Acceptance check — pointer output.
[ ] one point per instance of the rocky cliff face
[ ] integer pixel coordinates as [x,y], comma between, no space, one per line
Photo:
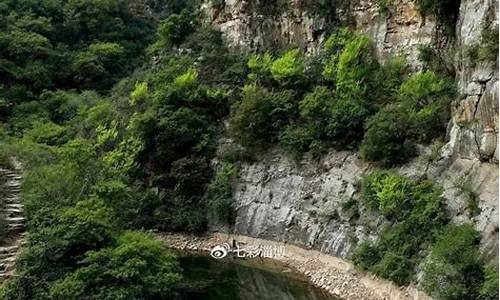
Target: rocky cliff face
[305,24]
[472,149]
[302,204]
[474,129]
[396,30]
[307,203]
[262,24]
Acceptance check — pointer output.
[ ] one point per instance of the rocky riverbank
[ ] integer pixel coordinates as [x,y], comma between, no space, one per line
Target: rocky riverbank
[334,275]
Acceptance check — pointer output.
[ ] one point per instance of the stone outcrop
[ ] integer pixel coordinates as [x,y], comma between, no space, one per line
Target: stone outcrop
[472,148]
[458,174]
[397,30]
[474,127]
[301,203]
[261,25]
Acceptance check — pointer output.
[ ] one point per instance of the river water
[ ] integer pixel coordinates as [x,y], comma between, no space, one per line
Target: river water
[206,278]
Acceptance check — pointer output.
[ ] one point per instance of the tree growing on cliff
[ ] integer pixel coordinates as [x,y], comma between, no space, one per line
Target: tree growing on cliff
[419,115]
[453,270]
[261,114]
[288,68]
[415,210]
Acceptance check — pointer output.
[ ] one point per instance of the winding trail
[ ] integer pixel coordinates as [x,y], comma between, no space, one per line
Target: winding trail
[12,210]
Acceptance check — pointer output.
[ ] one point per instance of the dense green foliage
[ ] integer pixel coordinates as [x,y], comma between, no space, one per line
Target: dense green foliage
[220,194]
[419,115]
[137,267]
[416,212]
[261,115]
[118,118]
[454,269]
[71,213]
[95,165]
[288,68]
[489,288]
[342,99]
[68,43]
[417,222]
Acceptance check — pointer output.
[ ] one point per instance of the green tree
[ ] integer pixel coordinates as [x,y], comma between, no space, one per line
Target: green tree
[62,105]
[139,94]
[355,69]
[219,194]
[333,46]
[57,244]
[393,195]
[47,133]
[94,66]
[288,68]
[175,28]
[387,138]
[316,107]
[427,97]
[27,45]
[419,115]
[260,66]
[345,123]
[260,115]
[137,267]
[296,140]
[489,289]
[453,270]
[416,212]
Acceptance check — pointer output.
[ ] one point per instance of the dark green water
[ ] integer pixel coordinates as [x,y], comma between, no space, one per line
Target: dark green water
[233,279]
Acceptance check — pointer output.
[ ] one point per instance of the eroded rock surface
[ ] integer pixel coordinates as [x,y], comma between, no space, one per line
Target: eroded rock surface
[261,25]
[474,129]
[398,30]
[280,200]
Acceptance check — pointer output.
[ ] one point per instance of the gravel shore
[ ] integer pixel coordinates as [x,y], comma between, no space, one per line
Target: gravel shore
[336,276]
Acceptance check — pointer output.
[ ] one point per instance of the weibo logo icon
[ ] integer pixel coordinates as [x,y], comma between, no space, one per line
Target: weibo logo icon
[220,251]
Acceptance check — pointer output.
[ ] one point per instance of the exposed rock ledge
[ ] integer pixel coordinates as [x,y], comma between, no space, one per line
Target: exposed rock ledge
[334,275]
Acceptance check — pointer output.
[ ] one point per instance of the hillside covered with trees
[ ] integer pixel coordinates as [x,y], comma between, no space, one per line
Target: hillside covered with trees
[117,113]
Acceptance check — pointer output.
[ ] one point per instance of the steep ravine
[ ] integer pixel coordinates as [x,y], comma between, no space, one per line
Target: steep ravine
[302,203]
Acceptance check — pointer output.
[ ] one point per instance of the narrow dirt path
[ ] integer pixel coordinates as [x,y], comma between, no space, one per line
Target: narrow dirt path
[12,210]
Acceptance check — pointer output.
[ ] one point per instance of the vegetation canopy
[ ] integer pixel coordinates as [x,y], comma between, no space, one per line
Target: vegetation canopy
[133,117]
